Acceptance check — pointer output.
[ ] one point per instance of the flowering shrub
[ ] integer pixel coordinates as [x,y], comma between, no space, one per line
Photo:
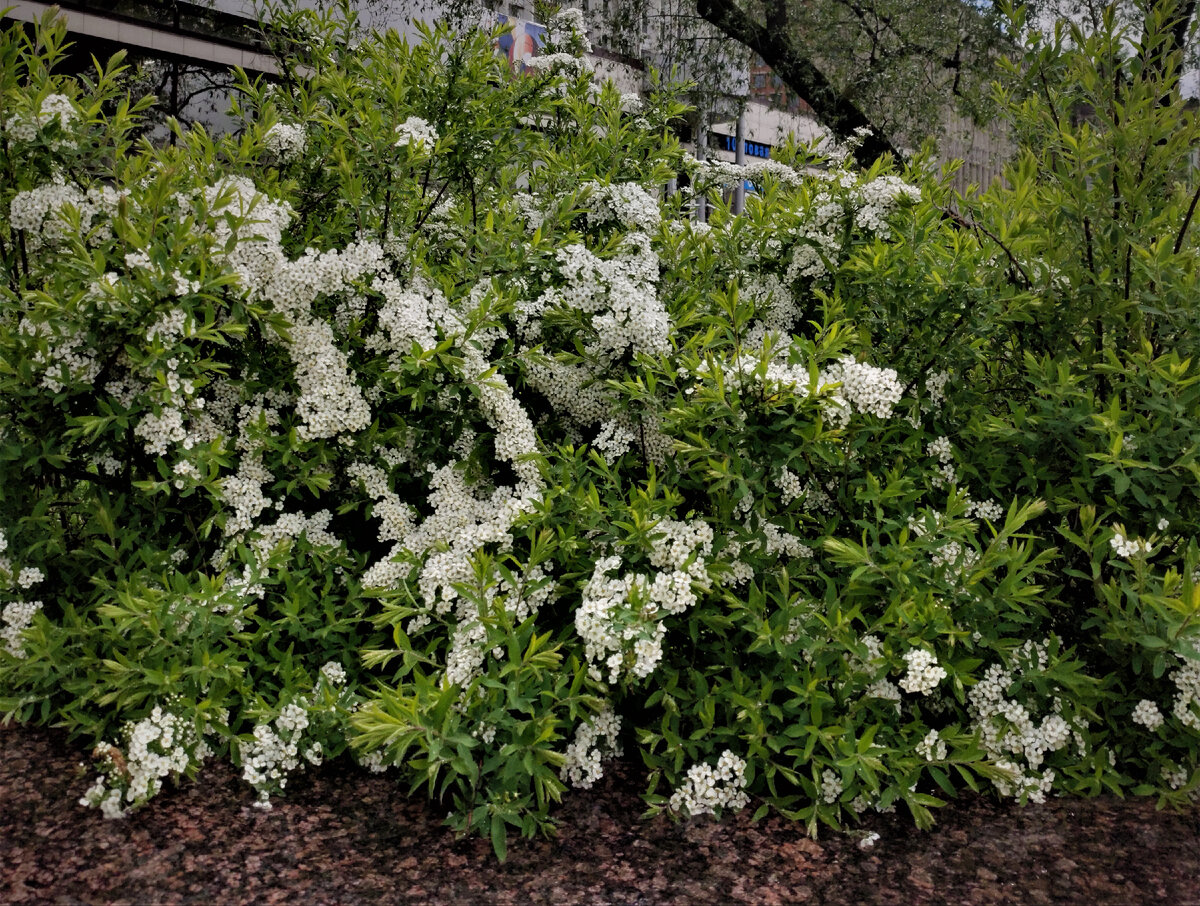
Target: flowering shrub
[413,421]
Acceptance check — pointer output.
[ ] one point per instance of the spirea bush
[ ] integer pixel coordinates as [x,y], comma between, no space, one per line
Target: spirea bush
[413,422]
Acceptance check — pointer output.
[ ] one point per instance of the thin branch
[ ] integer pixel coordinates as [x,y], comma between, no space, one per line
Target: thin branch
[1087,235]
[1187,219]
[977,228]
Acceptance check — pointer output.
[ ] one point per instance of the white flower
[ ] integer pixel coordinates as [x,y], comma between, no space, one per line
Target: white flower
[923,674]
[705,790]
[1147,714]
[30,576]
[417,134]
[932,747]
[831,786]
[333,673]
[286,140]
[17,617]
[1127,548]
[940,447]
[161,745]
[582,767]
[627,203]
[990,510]
[57,106]
[935,384]
[864,388]
[292,719]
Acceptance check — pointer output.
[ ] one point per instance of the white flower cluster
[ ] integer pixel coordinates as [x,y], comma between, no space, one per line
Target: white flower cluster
[286,141]
[567,27]
[417,134]
[243,228]
[243,494]
[515,437]
[1175,776]
[627,203]
[68,356]
[990,510]
[372,761]
[875,200]
[464,659]
[333,673]
[17,617]
[885,689]
[614,440]
[956,555]
[41,211]
[789,486]
[831,786]
[682,547]
[1009,731]
[330,401]
[171,325]
[768,367]
[53,107]
[620,618]
[413,314]
[723,173]
[292,525]
[574,391]
[935,386]
[611,628]
[845,201]
[923,674]
[778,543]
[707,789]
[57,106]
[459,526]
[1128,548]
[864,388]
[395,516]
[161,745]
[274,752]
[1187,684]
[585,754]
[620,294]
[775,306]
[531,210]
[561,63]
[1147,714]
[932,747]
[940,447]
[29,576]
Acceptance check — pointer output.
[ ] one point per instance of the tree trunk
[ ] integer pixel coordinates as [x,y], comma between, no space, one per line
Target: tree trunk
[833,110]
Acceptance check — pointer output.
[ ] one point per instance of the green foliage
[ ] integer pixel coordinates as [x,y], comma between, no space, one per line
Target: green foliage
[409,421]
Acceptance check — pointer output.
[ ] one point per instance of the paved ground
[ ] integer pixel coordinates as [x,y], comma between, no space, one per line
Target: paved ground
[343,836]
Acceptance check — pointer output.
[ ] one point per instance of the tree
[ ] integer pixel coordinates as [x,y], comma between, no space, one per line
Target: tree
[879,71]
[890,70]
[1136,17]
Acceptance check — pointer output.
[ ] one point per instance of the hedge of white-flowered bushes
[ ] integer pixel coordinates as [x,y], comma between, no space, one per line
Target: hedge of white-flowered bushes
[413,419]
